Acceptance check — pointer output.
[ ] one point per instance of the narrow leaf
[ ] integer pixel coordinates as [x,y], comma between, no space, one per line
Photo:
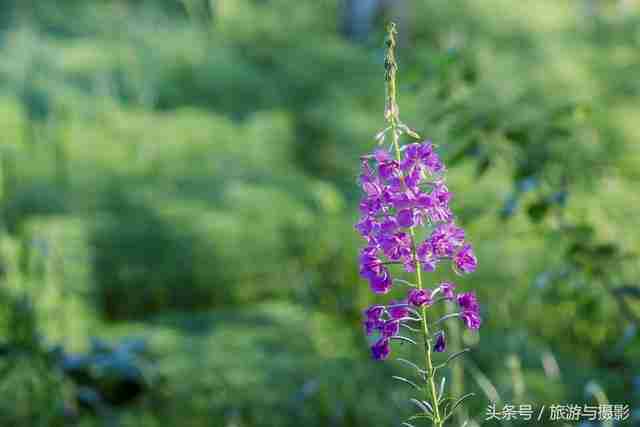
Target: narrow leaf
[380,135]
[422,406]
[416,312]
[412,133]
[459,401]
[420,417]
[404,380]
[448,316]
[441,391]
[404,282]
[402,338]
[409,327]
[428,405]
[413,319]
[456,354]
[411,364]
[439,299]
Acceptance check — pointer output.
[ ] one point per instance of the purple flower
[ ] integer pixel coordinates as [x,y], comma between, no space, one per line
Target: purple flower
[365,226]
[447,289]
[381,349]
[371,268]
[440,211]
[402,200]
[441,343]
[404,190]
[420,297]
[372,189]
[373,319]
[399,195]
[406,218]
[433,163]
[470,310]
[468,301]
[413,178]
[371,326]
[389,225]
[409,265]
[382,155]
[425,201]
[391,328]
[426,256]
[411,157]
[465,261]
[396,246]
[374,312]
[372,205]
[380,283]
[446,238]
[471,319]
[398,309]
[388,169]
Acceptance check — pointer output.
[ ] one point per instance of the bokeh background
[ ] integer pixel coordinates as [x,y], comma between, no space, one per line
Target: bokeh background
[178,192]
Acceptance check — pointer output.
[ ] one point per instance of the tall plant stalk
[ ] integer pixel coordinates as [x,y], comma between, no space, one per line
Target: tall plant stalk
[404,191]
[392,113]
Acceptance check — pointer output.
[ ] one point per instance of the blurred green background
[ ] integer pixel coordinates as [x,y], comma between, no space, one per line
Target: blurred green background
[178,192]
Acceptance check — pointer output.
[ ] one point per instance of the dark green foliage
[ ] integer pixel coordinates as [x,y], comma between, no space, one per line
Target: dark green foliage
[32,200]
[33,390]
[136,254]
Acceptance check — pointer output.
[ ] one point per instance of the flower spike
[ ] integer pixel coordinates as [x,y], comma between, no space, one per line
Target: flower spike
[405,191]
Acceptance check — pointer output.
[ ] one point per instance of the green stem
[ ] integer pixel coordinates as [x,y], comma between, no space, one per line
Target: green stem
[392,116]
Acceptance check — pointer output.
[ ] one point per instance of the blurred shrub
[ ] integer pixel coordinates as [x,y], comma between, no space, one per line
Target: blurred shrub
[284,379]
[153,253]
[33,390]
[58,274]
[142,262]
[32,200]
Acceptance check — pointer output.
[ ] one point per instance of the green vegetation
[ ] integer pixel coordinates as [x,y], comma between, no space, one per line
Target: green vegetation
[184,172]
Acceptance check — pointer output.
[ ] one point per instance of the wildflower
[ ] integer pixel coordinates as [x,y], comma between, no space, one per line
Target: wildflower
[381,349]
[396,246]
[370,326]
[389,225]
[373,319]
[371,268]
[403,191]
[470,310]
[420,297]
[365,226]
[391,328]
[465,261]
[427,256]
[447,289]
[406,218]
[381,282]
[468,301]
[398,309]
[446,238]
[471,319]
[440,343]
